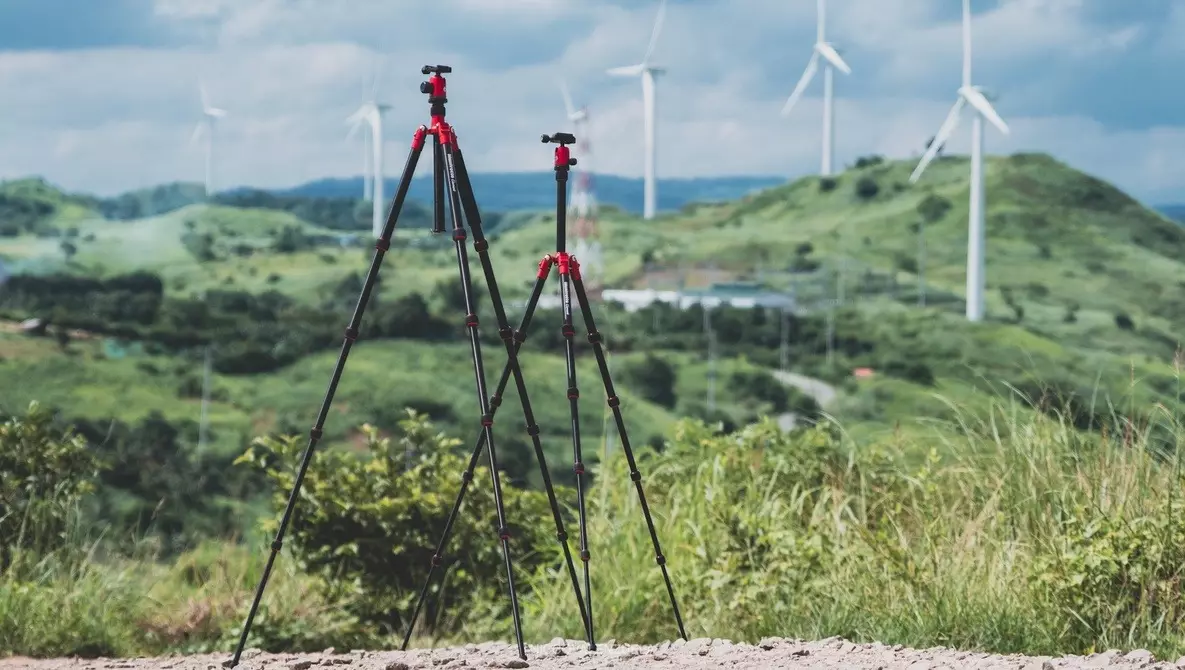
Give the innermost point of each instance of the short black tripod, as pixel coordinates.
(570, 281)
(448, 172)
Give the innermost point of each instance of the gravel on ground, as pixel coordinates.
(694, 654)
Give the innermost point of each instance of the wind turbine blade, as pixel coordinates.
(374, 84)
(202, 93)
(821, 21)
(198, 131)
(944, 133)
(981, 105)
(662, 13)
(215, 112)
(827, 51)
(807, 75)
(627, 70)
(966, 42)
(571, 109)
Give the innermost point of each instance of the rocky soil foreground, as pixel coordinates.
(696, 654)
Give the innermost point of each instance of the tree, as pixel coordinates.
(68, 249)
(653, 378)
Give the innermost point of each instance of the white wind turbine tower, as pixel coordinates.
(205, 127)
(371, 114)
(832, 61)
(647, 72)
(969, 94)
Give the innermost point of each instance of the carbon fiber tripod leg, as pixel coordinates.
(495, 402)
(487, 418)
(594, 338)
(381, 247)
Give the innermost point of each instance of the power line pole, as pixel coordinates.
(711, 335)
(205, 401)
(922, 263)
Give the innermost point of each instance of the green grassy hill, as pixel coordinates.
(1082, 280)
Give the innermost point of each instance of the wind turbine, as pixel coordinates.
(832, 61)
(969, 94)
(647, 72)
(371, 114)
(205, 128)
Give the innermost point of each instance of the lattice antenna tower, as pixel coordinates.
(582, 203)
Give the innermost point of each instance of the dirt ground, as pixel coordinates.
(696, 655)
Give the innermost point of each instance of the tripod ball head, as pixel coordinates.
(436, 69)
(559, 138)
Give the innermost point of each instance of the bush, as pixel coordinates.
(45, 471)
(867, 188)
(1124, 322)
(933, 208)
(370, 525)
(827, 184)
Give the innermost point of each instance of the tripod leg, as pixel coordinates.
(463, 191)
(577, 457)
(594, 338)
(381, 246)
(495, 402)
(487, 418)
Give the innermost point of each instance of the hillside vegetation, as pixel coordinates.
(950, 495)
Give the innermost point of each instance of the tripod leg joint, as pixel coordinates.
(466, 477)
(382, 245)
(437, 559)
(519, 337)
(277, 545)
(471, 321)
(487, 420)
(635, 476)
(315, 433)
(351, 334)
(545, 266)
(613, 401)
(459, 234)
(504, 534)
(495, 401)
(568, 331)
(573, 393)
(660, 559)
(533, 430)
(562, 536)
(481, 245)
(578, 467)
(506, 333)
(584, 555)
(594, 337)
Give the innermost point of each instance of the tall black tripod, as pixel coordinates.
(448, 173)
(570, 282)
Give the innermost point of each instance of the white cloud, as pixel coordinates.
(290, 71)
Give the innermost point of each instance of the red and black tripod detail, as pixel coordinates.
(571, 283)
(451, 187)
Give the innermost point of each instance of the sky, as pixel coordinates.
(102, 96)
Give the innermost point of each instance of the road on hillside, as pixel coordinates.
(699, 654)
(821, 391)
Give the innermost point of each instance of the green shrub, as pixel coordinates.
(370, 523)
(867, 188)
(45, 471)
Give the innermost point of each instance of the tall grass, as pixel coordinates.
(1013, 532)
(1005, 531)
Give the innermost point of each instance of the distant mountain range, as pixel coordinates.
(512, 191)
